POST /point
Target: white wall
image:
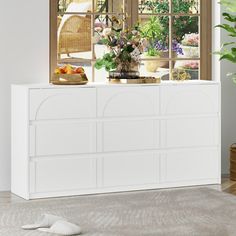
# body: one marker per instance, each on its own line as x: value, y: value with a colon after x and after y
x: 24, y: 47
x: 228, y: 108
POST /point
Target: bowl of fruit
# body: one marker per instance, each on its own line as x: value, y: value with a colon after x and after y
x: 69, y: 75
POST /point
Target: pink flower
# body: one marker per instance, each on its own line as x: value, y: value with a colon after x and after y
x: 191, y: 65
x: 191, y: 39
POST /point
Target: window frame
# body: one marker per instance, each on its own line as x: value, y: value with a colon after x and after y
x: 131, y: 6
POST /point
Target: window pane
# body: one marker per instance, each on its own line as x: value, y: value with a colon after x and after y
x: 101, y: 75
x: 74, y: 37
x: 74, y: 6
x: 153, y: 6
x: 186, y: 6
x: 106, y: 6
x: 186, y: 36
x: 187, y: 69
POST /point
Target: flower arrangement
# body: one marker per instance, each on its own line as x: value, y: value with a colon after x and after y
x: 191, y: 65
x: 124, y: 47
x: 191, y: 40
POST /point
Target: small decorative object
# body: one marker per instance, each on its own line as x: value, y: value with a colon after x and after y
x: 124, y: 50
x: 69, y: 75
x: 191, y: 67
x: 180, y: 75
x: 190, y: 44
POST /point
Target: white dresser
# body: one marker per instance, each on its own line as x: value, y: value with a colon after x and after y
x: 99, y: 138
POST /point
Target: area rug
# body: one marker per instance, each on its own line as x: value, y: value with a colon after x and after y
x: 176, y: 212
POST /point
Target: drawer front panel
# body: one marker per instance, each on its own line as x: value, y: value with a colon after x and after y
x: 190, y: 165
x: 130, y: 135
x: 195, y: 99
x: 128, y: 101
x: 130, y: 169
x: 62, y: 138
x: 62, y: 103
x: 190, y: 132
x: 62, y: 174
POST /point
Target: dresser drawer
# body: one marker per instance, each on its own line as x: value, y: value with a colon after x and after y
x: 128, y: 101
x: 62, y: 174
x: 130, y: 169
x: 59, y: 138
x: 189, y: 99
x: 130, y: 135
x: 190, y: 165
x: 190, y: 132
x: 46, y: 104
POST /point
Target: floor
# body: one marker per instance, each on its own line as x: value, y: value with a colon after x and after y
x: 227, y: 186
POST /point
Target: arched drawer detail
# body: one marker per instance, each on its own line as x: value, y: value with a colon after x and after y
x: 63, y: 104
x: 127, y: 102
x: 189, y: 100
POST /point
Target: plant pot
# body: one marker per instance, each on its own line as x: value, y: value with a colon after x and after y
x: 152, y: 64
x: 190, y: 51
x: 193, y: 73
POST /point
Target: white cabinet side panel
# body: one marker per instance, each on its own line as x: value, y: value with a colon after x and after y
x: 19, y: 142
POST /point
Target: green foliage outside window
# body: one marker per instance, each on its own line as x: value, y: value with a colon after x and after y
x: 181, y: 25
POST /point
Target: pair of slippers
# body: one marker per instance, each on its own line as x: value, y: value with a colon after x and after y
x: 54, y: 224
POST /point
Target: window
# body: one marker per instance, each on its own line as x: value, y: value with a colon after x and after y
x: 185, y: 29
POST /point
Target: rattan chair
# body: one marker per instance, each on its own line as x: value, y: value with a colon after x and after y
x: 75, y: 35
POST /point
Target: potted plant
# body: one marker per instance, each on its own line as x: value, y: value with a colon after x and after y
x: 228, y: 50
x: 190, y: 45
x: 192, y: 68
x: 151, y: 32
x: 124, y: 48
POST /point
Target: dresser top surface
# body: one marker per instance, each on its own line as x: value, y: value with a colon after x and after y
x: 100, y: 85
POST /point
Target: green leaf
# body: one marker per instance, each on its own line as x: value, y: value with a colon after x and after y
x: 229, y: 17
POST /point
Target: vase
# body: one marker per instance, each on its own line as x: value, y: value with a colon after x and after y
x: 190, y: 51
x: 125, y: 71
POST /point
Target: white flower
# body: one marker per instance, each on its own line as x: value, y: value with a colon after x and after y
x: 98, y: 29
x: 107, y: 32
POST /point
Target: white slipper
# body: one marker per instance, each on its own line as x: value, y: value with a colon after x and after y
x: 45, y: 221
x: 63, y: 228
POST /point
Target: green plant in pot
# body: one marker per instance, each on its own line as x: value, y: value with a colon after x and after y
x: 228, y: 50
x: 151, y: 31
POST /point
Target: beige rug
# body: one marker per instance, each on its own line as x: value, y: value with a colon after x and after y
x: 179, y: 212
